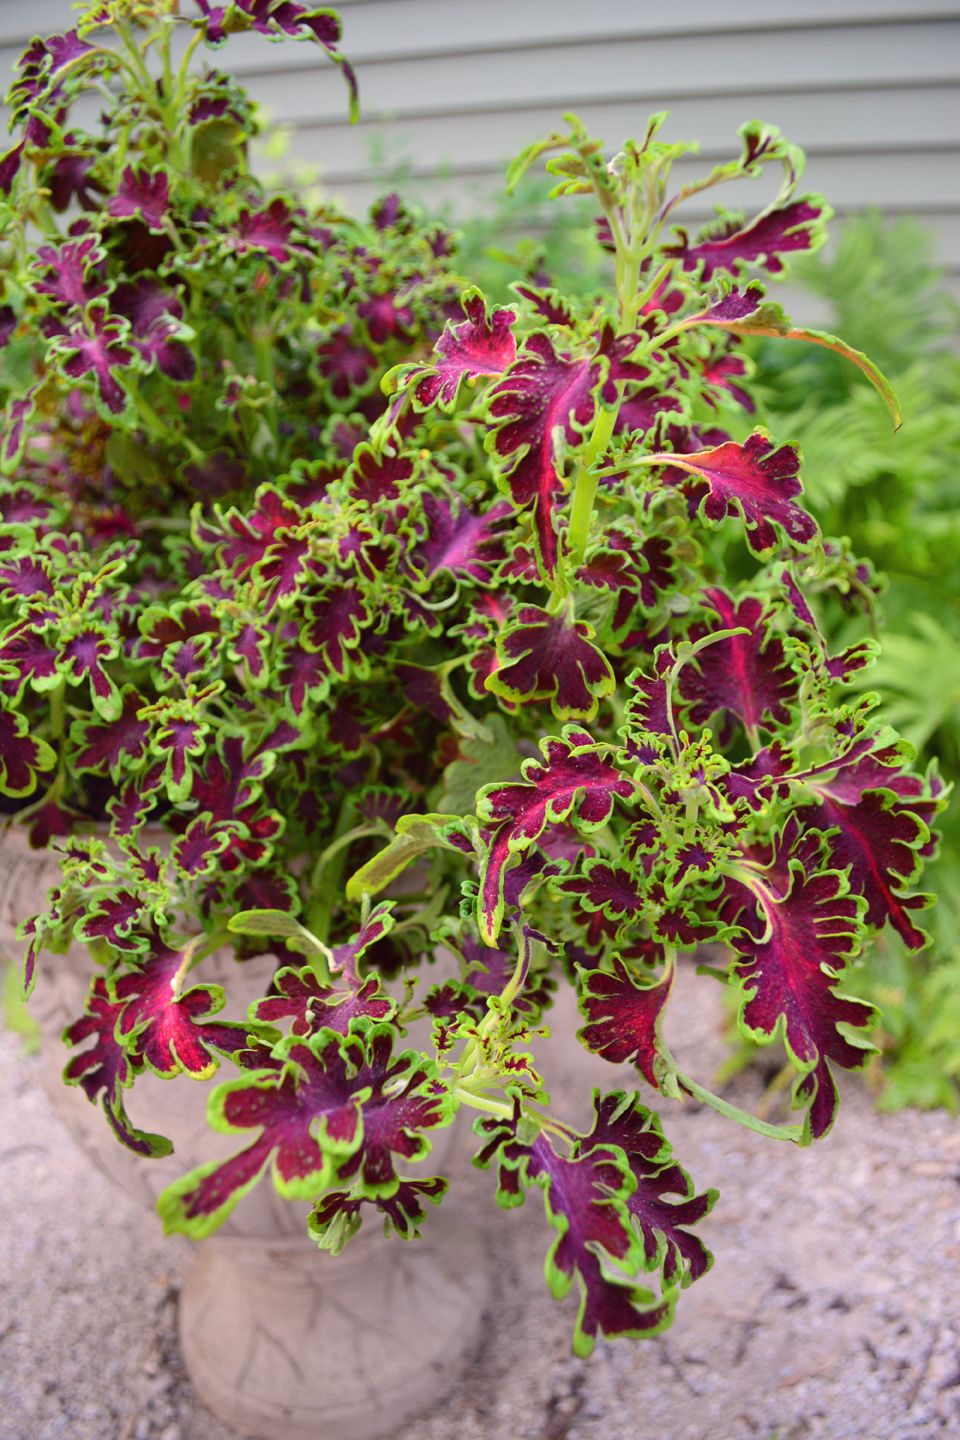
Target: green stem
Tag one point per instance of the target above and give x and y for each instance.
(156, 427)
(183, 74)
(585, 488)
(135, 64)
(483, 1102)
(263, 341)
(336, 846)
(743, 1117)
(322, 900)
(629, 257)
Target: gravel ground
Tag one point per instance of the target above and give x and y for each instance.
(832, 1312)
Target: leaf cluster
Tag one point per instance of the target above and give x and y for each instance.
(447, 651)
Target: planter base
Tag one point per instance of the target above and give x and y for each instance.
(286, 1343)
(281, 1341)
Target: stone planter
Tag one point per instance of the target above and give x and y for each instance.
(279, 1339)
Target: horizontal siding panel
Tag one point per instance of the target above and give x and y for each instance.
(404, 65)
(372, 28)
(858, 120)
(658, 67)
(400, 30)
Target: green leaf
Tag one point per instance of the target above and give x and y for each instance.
(856, 357)
(279, 925)
(485, 759)
(415, 835)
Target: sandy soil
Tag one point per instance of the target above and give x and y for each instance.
(832, 1312)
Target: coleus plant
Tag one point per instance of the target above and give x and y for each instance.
(445, 652)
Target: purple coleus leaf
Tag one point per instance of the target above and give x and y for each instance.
(426, 689)
(546, 396)
(165, 1029)
(143, 194)
(70, 274)
(800, 926)
(22, 756)
(459, 541)
(277, 19)
(756, 780)
(26, 577)
(83, 657)
(549, 304)
(730, 245)
(168, 631)
(573, 782)
(71, 180)
(10, 163)
(156, 325)
(596, 1245)
(201, 845)
(329, 1107)
(621, 1122)
(347, 364)
(384, 318)
(747, 676)
(270, 231)
(636, 570)
(606, 889)
(228, 787)
(623, 1017)
(114, 917)
(285, 567)
(43, 60)
(321, 650)
(128, 810)
(105, 1069)
(481, 345)
(344, 957)
(403, 1212)
(721, 375)
(549, 657)
(13, 436)
(753, 480)
(26, 657)
(375, 477)
(97, 349)
(247, 536)
(309, 1005)
(650, 710)
(875, 818)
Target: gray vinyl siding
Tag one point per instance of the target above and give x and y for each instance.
(869, 88)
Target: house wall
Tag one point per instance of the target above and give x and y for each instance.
(869, 88)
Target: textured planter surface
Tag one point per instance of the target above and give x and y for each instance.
(279, 1339)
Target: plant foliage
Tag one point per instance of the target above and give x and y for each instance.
(348, 615)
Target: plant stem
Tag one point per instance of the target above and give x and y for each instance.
(585, 489)
(629, 257)
(322, 901)
(482, 1102)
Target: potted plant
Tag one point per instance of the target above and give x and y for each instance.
(407, 658)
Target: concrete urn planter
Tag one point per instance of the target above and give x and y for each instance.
(280, 1339)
